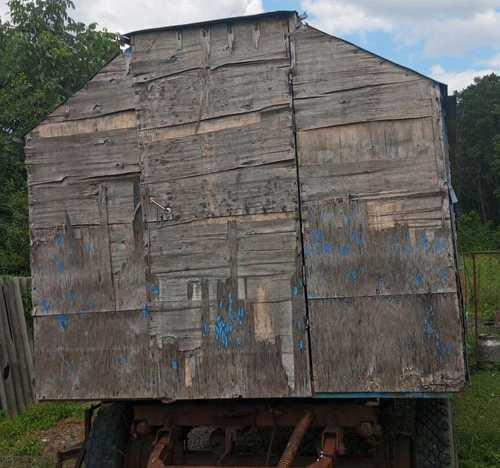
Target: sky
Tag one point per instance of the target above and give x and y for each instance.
(452, 41)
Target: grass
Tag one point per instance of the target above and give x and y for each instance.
(477, 421)
(19, 436)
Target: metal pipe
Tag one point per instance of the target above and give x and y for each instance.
(293, 445)
(476, 305)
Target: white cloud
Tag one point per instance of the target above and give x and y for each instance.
(457, 81)
(444, 27)
(124, 16)
(127, 15)
(343, 18)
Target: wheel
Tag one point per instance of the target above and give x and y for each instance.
(434, 442)
(109, 436)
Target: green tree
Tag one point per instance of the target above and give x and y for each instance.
(476, 154)
(45, 56)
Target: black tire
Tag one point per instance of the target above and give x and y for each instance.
(109, 436)
(434, 442)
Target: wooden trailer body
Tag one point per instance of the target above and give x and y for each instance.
(244, 208)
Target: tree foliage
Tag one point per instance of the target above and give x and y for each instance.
(45, 56)
(476, 155)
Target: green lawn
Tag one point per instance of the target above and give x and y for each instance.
(19, 436)
(477, 421)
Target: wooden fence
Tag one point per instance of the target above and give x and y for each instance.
(16, 362)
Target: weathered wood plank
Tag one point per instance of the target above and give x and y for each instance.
(263, 189)
(387, 344)
(71, 271)
(217, 145)
(20, 340)
(109, 92)
(345, 258)
(202, 94)
(368, 158)
(394, 101)
(10, 366)
(173, 52)
(327, 64)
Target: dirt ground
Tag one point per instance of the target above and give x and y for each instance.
(66, 434)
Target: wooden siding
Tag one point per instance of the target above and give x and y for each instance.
(378, 245)
(132, 301)
(167, 237)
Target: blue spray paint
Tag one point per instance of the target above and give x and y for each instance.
(345, 250)
(89, 248)
(241, 315)
(174, 364)
(444, 275)
(205, 328)
(72, 297)
(327, 248)
(45, 304)
(223, 331)
(317, 236)
(354, 275)
(440, 246)
(357, 238)
(155, 289)
(423, 241)
(63, 321)
(59, 239)
(146, 313)
(419, 279)
(302, 345)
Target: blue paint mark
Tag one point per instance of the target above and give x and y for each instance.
(357, 238)
(221, 305)
(174, 364)
(423, 241)
(308, 252)
(123, 360)
(345, 250)
(407, 249)
(45, 305)
(89, 248)
(354, 275)
(223, 331)
(63, 321)
(238, 341)
(440, 246)
(419, 279)
(327, 248)
(444, 275)
(241, 314)
(72, 297)
(430, 332)
(317, 236)
(59, 239)
(146, 313)
(347, 220)
(406, 236)
(302, 345)
(295, 291)
(155, 289)
(230, 308)
(205, 328)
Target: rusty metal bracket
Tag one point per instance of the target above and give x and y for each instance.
(332, 445)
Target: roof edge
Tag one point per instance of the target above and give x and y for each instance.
(207, 22)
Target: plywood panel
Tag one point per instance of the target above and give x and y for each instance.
(369, 158)
(378, 243)
(405, 343)
(349, 252)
